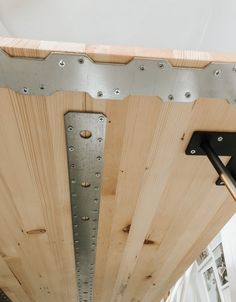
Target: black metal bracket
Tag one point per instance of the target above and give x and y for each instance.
(213, 145)
(223, 144)
(4, 297)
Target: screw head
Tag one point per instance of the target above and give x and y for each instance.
(217, 73)
(187, 94)
(70, 128)
(193, 151)
(117, 91)
(97, 174)
(101, 119)
(99, 157)
(25, 90)
(71, 148)
(81, 61)
(62, 63)
(99, 139)
(141, 67)
(220, 139)
(170, 97)
(100, 94)
(161, 65)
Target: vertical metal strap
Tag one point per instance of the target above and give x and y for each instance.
(85, 134)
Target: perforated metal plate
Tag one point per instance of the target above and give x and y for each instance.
(147, 77)
(85, 134)
(4, 297)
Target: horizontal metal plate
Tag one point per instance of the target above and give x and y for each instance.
(4, 297)
(85, 134)
(145, 77)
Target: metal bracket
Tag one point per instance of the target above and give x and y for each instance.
(213, 145)
(85, 135)
(145, 77)
(4, 297)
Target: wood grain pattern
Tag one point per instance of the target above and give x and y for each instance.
(159, 208)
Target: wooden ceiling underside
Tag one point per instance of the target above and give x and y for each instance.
(159, 208)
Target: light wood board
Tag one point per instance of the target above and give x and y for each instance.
(159, 208)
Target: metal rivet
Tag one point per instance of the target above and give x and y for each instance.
(85, 218)
(117, 91)
(161, 65)
(99, 139)
(71, 148)
(170, 97)
(42, 87)
(81, 60)
(25, 90)
(73, 181)
(99, 94)
(193, 151)
(220, 139)
(62, 63)
(187, 94)
(217, 73)
(99, 157)
(141, 67)
(97, 174)
(70, 128)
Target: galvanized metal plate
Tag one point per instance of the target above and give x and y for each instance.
(85, 135)
(146, 77)
(4, 297)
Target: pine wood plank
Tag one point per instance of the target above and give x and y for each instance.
(158, 207)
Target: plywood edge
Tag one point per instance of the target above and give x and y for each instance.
(113, 54)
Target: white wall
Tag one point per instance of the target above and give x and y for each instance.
(183, 24)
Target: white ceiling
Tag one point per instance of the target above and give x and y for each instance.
(207, 25)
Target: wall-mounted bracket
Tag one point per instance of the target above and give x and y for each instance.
(213, 145)
(4, 297)
(146, 77)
